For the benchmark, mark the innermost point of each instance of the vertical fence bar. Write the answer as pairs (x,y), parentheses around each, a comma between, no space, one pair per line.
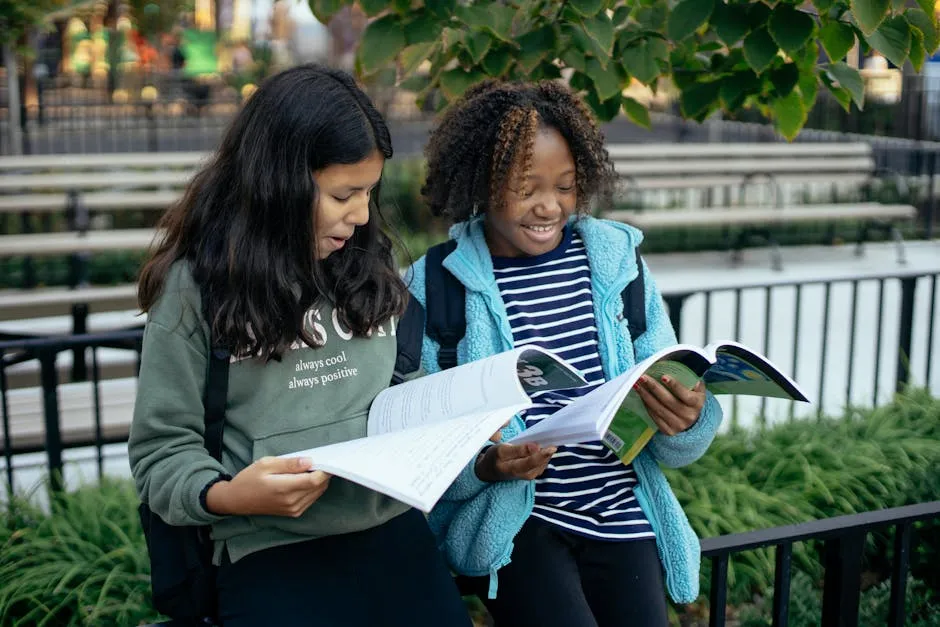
(796,342)
(737,337)
(899,568)
(851,361)
(931,198)
(5,410)
(825,345)
(675,303)
(906,326)
(879,328)
(96,396)
(930,326)
(718,593)
(781,609)
(842,586)
(765,347)
(50,403)
(708,316)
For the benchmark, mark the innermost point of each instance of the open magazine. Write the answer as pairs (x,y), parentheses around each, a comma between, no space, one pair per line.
(422,433)
(614,413)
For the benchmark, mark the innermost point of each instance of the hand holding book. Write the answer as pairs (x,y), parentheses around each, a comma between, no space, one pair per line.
(672,405)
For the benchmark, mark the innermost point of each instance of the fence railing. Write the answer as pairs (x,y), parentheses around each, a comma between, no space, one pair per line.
(844,543)
(849,341)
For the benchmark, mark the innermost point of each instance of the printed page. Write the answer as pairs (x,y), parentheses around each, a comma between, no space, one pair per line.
(417,466)
(485,385)
(740,370)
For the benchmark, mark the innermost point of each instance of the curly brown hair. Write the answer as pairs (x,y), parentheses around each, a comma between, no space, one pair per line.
(485,138)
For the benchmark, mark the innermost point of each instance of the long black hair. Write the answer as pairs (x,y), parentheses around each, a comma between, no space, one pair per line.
(246,222)
(488,134)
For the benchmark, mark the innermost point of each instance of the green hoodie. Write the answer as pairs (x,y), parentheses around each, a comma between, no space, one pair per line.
(309,398)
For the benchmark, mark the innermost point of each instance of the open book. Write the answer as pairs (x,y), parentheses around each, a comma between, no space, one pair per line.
(422,433)
(614,414)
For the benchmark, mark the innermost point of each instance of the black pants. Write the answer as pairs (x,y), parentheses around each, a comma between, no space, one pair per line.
(389,575)
(561,579)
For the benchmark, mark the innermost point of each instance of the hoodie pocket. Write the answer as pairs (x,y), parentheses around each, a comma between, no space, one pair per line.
(300,438)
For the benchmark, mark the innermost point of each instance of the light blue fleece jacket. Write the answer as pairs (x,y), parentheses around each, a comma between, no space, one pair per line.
(475,522)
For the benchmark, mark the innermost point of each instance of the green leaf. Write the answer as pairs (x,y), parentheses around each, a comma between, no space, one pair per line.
(534,46)
(784,79)
(441,8)
(381,42)
(730,22)
(637,113)
(809,88)
(574,59)
(837,39)
(413,56)
(643,60)
(478,44)
(586,8)
(687,16)
(604,110)
(455,82)
(759,50)
(323,10)
(601,31)
(822,5)
(736,88)
(927,6)
(422,27)
(789,114)
(621,15)
(841,94)
(848,78)
(790,27)
(869,13)
(402,7)
(698,99)
(607,81)
(918,53)
(892,39)
(497,61)
(496,19)
(758,14)
(922,22)
(373,7)
(652,17)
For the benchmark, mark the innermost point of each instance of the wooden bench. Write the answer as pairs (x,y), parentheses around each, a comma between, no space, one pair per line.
(776,167)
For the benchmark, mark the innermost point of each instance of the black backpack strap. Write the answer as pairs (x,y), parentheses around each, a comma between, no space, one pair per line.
(216,398)
(408,338)
(634,302)
(445,299)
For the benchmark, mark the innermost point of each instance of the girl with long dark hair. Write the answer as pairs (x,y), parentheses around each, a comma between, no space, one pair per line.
(276,255)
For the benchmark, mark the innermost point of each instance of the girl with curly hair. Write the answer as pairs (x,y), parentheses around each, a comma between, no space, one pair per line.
(577,538)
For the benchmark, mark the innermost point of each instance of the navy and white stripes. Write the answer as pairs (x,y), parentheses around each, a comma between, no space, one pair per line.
(585,488)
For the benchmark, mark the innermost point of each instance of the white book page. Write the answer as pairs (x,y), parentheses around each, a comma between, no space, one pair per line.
(485,385)
(417,466)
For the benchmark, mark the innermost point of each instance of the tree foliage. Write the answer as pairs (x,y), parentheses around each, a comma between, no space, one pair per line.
(719,54)
(16,16)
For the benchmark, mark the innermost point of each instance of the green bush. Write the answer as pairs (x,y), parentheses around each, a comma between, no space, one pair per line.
(85,563)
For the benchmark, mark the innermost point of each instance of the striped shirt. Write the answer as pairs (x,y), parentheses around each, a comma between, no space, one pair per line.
(585,489)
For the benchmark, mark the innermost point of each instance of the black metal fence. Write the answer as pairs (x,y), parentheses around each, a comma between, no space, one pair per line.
(844,543)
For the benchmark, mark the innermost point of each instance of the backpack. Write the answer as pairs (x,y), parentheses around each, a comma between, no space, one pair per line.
(447,315)
(182,576)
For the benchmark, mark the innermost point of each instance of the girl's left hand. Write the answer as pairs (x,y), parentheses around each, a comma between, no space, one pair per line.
(672,406)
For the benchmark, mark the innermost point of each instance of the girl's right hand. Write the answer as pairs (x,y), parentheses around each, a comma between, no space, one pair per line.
(272,485)
(502,462)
